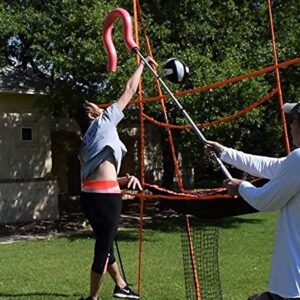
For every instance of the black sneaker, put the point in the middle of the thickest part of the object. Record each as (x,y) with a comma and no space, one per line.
(125,293)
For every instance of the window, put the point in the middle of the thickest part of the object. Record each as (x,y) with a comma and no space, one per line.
(26,134)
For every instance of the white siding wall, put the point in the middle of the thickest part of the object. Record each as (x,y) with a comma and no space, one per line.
(27,201)
(27,191)
(24,158)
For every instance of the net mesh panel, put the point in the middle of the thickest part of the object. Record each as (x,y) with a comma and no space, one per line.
(204,236)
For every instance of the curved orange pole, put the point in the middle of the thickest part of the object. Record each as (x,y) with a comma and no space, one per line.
(107,36)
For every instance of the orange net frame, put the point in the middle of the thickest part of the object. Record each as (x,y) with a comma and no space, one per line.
(183,194)
(161,98)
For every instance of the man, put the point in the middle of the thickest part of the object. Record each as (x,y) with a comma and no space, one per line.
(281,194)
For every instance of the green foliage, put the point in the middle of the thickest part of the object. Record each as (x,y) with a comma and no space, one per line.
(217,40)
(65,37)
(220,40)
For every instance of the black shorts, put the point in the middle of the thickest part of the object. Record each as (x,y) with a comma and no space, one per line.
(103,212)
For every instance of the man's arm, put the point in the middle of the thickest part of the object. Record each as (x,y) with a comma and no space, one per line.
(256,165)
(259,166)
(277,192)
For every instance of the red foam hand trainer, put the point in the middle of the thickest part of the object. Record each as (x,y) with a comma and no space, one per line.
(107,36)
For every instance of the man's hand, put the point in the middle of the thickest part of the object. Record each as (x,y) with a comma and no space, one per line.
(212,148)
(232,186)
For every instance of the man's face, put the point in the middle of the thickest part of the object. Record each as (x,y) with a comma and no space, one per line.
(295,129)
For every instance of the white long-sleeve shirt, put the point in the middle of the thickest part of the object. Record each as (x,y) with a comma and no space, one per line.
(282,194)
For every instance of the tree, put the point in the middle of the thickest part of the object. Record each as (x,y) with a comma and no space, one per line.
(61,40)
(217,39)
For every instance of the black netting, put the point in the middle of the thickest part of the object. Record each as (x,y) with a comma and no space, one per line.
(203,242)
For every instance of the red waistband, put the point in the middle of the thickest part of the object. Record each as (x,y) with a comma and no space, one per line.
(100,184)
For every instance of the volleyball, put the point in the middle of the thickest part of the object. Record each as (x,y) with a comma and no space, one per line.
(175,70)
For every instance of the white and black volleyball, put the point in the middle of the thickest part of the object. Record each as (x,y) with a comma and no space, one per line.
(175,70)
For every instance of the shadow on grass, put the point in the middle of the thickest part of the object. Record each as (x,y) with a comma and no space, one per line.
(171,223)
(236,222)
(157,218)
(177,224)
(127,236)
(39,296)
(155,221)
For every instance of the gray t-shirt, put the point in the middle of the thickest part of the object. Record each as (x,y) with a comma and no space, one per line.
(102,140)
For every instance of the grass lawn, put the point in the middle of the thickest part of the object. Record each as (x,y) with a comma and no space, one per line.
(59,268)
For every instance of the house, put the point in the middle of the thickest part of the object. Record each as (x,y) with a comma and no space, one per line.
(29,188)
(39,168)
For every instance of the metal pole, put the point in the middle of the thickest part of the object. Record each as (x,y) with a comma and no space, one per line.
(184,112)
